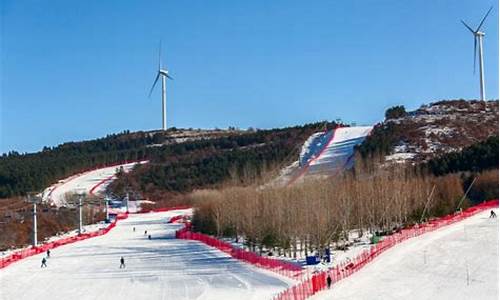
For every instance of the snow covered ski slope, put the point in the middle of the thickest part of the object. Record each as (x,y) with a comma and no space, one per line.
(94,181)
(459,261)
(160,268)
(338,153)
(325,153)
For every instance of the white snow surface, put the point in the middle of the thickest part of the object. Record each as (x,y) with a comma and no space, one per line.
(161,268)
(56,194)
(338,153)
(337,156)
(431,266)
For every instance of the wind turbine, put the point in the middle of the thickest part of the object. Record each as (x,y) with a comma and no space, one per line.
(478,37)
(163,73)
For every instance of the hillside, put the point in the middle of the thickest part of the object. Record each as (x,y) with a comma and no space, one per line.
(184,167)
(432,130)
(178,148)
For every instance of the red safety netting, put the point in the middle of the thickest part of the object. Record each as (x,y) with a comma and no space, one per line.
(21,254)
(164,209)
(177,219)
(317,282)
(278,266)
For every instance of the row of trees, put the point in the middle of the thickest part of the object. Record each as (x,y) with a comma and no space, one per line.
(321,213)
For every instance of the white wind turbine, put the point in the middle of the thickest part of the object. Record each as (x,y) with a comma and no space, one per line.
(478,37)
(163,73)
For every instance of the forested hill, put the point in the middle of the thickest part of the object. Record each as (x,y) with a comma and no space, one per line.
(432,130)
(184,153)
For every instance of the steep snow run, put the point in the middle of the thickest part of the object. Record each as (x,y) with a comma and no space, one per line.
(325,153)
(338,154)
(459,261)
(160,268)
(94,181)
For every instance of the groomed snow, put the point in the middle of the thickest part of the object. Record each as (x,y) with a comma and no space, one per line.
(339,153)
(432,266)
(56,193)
(161,268)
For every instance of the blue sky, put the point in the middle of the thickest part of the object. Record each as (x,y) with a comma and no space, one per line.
(74,70)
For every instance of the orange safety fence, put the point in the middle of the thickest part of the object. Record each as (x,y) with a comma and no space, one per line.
(317,282)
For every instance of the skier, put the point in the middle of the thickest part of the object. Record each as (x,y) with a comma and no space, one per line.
(149,236)
(328,281)
(145,232)
(48,253)
(44,263)
(493,214)
(133,229)
(122,262)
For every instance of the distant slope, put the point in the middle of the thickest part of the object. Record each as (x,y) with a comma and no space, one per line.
(22,173)
(339,153)
(326,153)
(181,168)
(90,182)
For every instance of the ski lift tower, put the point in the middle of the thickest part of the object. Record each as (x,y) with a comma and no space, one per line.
(34,198)
(106,207)
(81,194)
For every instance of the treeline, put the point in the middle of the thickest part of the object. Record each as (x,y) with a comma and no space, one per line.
(207,163)
(174,167)
(382,139)
(21,173)
(16,226)
(476,158)
(321,213)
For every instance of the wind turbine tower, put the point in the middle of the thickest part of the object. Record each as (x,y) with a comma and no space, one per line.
(478,38)
(163,73)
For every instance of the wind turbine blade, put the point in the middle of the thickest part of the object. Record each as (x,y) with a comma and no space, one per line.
(169,77)
(468,27)
(152,88)
(475,50)
(485,16)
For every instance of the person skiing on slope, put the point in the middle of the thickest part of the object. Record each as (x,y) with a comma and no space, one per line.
(48,253)
(44,263)
(133,229)
(493,214)
(145,232)
(122,262)
(149,236)
(328,281)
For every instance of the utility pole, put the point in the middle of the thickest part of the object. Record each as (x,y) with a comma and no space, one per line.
(35,233)
(126,202)
(466,192)
(106,201)
(34,198)
(81,194)
(80,214)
